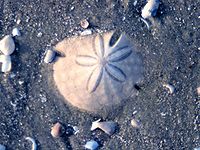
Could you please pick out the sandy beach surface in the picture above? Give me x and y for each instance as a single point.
(29, 100)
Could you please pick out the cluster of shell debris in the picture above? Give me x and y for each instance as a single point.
(109, 127)
(59, 130)
(7, 47)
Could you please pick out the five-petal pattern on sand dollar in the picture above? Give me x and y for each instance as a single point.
(104, 60)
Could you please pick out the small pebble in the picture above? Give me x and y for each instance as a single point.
(91, 145)
(198, 91)
(135, 3)
(21, 82)
(16, 32)
(18, 21)
(134, 123)
(7, 45)
(49, 56)
(84, 24)
(72, 8)
(57, 130)
(2, 147)
(39, 34)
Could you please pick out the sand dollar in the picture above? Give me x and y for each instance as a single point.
(94, 75)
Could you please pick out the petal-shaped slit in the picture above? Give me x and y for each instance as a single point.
(115, 73)
(94, 79)
(119, 54)
(86, 60)
(98, 46)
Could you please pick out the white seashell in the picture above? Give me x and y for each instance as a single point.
(16, 32)
(91, 145)
(86, 32)
(6, 63)
(49, 56)
(135, 112)
(18, 21)
(2, 147)
(150, 9)
(135, 3)
(76, 129)
(7, 45)
(134, 123)
(108, 127)
(170, 88)
(147, 24)
(34, 145)
(198, 148)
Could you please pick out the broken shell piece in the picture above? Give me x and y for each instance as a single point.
(170, 88)
(2, 147)
(34, 145)
(7, 45)
(150, 9)
(84, 24)
(134, 123)
(91, 145)
(16, 32)
(6, 63)
(108, 127)
(86, 32)
(57, 130)
(147, 24)
(76, 129)
(49, 56)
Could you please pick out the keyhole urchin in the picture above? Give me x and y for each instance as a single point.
(95, 75)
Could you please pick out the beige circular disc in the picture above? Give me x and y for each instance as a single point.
(94, 75)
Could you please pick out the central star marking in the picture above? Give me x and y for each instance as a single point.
(104, 63)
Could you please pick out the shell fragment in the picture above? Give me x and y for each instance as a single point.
(91, 145)
(50, 56)
(150, 9)
(34, 145)
(86, 32)
(7, 45)
(169, 87)
(16, 32)
(134, 123)
(6, 63)
(108, 127)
